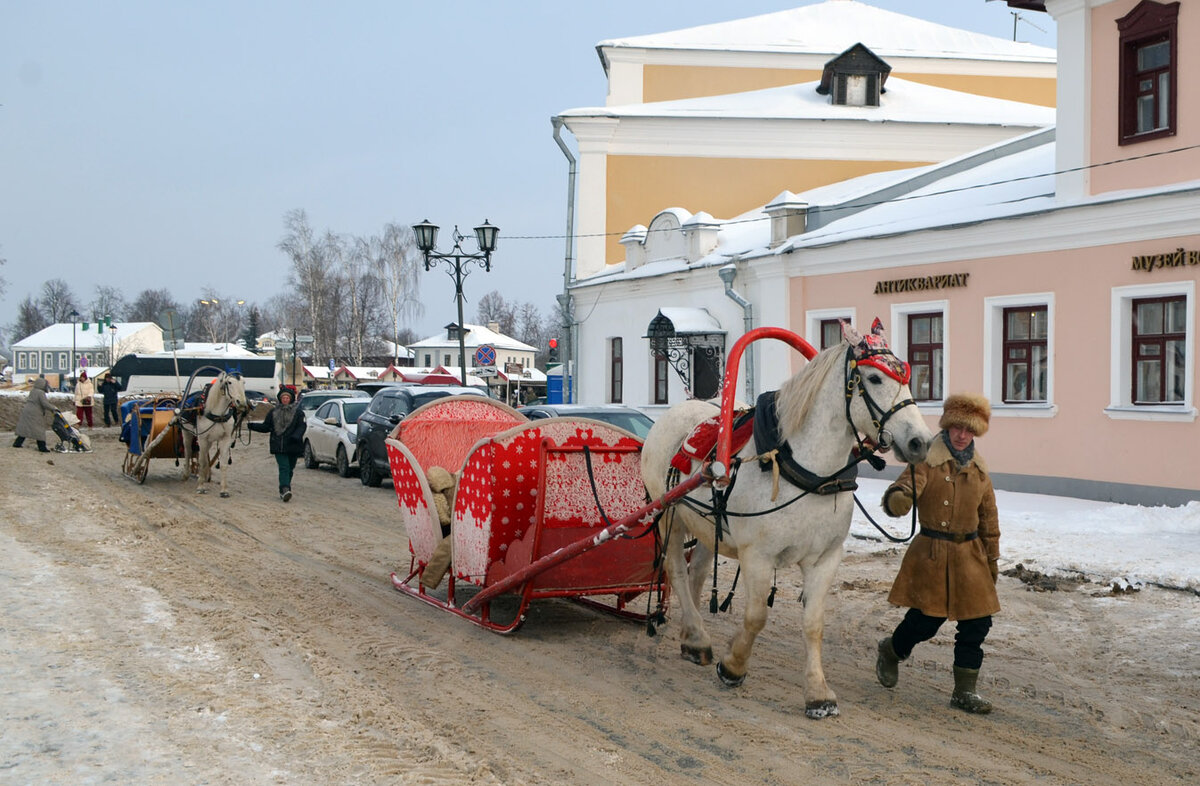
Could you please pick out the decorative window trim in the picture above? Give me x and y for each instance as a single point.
(993, 353)
(813, 319)
(660, 379)
(1120, 406)
(1149, 22)
(898, 339)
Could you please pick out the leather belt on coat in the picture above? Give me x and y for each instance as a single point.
(953, 537)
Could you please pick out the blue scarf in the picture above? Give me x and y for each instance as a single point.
(964, 456)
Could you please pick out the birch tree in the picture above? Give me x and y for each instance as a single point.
(397, 263)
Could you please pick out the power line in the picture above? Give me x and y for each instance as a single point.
(862, 205)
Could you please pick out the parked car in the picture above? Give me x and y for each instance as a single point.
(332, 433)
(254, 398)
(386, 409)
(371, 388)
(618, 415)
(312, 399)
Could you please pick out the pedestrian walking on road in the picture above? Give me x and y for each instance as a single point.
(109, 388)
(85, 397)
(32, 422)
(286, 426)
(950, 568)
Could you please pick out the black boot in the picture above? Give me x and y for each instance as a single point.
(18, 442)
(964, 697)
(887, 664)
(42, 447)
(285, 493)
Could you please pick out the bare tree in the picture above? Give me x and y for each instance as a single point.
(57, 301)
(30, 319)
(397, 264)
(109, 302)
(362, 301)
(494, 308)
(310, 276)
(3, 280)
(149, 305)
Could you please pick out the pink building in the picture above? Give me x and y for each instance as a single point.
(1055, 272)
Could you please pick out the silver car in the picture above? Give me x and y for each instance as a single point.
(332, 434)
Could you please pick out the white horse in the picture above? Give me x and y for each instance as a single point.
(224, 405)
(855, 386)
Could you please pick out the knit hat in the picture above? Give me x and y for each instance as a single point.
(966, 410)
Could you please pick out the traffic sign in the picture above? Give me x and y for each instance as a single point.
(284, 345)
(484, 371)
(331, 366)
(485, 355)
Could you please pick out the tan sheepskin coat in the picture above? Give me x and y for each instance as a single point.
(940, 577)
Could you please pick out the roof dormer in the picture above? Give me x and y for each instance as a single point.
(854, 78)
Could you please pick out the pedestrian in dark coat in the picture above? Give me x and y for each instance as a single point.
(109, 388)
(950, 568)
(286, 426)
(32, 422)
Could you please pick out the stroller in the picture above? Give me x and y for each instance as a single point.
(70, 439)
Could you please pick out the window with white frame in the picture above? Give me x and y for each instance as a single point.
(47, 360)
(919, 333)
(824, 325)
(1018, 338)
(1153, 351)
(62, 360)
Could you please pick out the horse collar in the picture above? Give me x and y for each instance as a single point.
(767, 439)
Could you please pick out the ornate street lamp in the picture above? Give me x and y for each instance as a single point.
(485, 238)
(112, 347)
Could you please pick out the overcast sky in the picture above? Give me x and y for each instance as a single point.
(159, 144)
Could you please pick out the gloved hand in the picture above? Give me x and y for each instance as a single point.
(897, 502)
(994, 567)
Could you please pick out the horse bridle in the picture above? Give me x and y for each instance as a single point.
(879, 415)
(233, 410)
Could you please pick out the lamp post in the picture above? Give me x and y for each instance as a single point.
(485, 238)
(74, 315)
(112, 346)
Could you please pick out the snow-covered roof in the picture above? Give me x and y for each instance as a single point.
(1008, 179)
(903, 102)
(60, 334)
(205, 348)
(477, 335)
(691, 321)
(832, 27)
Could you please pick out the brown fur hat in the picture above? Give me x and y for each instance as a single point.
(967, 410)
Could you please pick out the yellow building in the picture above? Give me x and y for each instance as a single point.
(723, 117)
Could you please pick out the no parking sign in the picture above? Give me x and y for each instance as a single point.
(485, 355)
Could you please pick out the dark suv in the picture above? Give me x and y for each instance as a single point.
(387, 408)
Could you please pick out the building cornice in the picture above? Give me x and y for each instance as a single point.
(787, 138)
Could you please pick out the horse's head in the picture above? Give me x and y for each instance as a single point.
(233, 387)
(878, 400)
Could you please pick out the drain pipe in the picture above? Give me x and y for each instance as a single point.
(728, 273)
(564, 301)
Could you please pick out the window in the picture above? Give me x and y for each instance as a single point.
(925, 355)
(428, 360)
(1025, 358)
(1148, 74)
(660, 379)
(1018, 354)
(1159, 338)
(823, 328)
(615, 371)
(62, 360)
(47, 361)
(831, 332)
(1153, 352)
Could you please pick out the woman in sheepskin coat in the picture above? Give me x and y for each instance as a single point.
(85, 398)
(32, 422)
(950, 568)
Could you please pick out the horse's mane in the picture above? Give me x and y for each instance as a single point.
(797, 395)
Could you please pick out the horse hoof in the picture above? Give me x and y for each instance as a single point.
(700, 655)
(726, 680)
(821, 709)
(225, 494)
